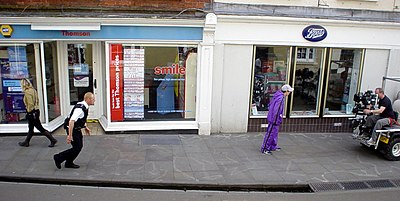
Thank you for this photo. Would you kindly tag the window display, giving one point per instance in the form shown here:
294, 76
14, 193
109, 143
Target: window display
344, 73
152, 82
16, 62
307, 82
270, 72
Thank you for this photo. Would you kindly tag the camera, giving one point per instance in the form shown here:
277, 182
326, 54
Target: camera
363, 100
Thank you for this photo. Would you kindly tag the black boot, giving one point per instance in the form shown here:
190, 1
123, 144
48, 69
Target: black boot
27, 140
53, 140
24, 144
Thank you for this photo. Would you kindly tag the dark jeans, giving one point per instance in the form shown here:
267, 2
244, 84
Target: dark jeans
33, 118
70, 155
34, 121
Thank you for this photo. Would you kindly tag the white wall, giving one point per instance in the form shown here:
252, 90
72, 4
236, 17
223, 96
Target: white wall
386, 5
375, 66
392, 87
379, 63
217, 88
233, 101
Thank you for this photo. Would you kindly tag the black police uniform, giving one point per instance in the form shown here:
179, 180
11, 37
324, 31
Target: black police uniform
70, 155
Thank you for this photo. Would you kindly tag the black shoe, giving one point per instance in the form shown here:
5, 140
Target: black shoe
23, 144
74, 166
53, 143
57, 161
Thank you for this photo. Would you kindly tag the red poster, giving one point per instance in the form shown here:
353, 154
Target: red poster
116, 82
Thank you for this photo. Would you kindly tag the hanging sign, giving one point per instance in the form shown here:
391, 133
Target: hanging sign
314, 33
6, 30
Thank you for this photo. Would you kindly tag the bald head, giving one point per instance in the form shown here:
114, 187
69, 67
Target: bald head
89, 98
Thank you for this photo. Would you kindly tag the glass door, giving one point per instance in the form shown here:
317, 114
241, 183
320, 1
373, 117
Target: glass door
52, 81
81, 74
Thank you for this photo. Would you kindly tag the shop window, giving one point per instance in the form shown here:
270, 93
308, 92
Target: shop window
305, 55
17, 61
270, 73
344, 71
51, 80
152, 82
307, 83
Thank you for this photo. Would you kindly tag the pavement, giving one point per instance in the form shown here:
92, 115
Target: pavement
230, 160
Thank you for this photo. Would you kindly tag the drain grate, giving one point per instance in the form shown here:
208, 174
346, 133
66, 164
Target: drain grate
396, 182
354, 185
380, 184
317, 187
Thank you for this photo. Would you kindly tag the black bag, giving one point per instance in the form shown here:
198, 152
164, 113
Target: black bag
66, 121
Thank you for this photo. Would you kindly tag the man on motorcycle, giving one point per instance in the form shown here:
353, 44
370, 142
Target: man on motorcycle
383, 116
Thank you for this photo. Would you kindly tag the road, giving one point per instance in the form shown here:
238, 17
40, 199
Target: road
44, 192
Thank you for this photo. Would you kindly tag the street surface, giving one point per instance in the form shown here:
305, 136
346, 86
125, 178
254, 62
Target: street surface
41, 192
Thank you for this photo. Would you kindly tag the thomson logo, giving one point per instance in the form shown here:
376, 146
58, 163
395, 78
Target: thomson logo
314, 33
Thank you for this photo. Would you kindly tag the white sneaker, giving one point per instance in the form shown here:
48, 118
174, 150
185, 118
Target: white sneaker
267, 152
371, 142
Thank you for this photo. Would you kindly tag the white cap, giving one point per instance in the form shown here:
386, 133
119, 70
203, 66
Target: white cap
287, 87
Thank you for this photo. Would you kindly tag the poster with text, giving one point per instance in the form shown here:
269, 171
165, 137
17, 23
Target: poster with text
116, 82
133, 82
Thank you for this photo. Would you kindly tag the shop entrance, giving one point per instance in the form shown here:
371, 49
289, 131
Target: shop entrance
81, 71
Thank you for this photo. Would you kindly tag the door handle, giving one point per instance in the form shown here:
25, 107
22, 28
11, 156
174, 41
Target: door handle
95, 83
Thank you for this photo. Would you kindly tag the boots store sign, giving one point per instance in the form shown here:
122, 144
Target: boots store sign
314, 33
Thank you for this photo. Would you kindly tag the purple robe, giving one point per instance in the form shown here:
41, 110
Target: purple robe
275, 111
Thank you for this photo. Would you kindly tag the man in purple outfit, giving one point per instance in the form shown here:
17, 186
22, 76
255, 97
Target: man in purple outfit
275, 115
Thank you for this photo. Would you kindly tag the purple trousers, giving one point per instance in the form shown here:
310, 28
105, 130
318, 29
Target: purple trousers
270, 142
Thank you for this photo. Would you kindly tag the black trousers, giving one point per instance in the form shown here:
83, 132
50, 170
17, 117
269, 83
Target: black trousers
33, 118
70, 155
34, 121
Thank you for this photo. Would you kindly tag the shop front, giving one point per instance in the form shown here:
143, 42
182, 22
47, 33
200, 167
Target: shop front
325, 61
144, 73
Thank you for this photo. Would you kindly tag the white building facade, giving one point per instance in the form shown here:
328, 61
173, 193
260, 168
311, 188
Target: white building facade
260, 47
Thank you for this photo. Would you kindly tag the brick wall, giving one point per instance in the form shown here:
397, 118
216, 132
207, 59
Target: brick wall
143, 5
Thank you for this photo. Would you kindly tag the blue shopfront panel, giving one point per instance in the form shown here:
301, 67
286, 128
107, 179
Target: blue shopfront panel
112, 32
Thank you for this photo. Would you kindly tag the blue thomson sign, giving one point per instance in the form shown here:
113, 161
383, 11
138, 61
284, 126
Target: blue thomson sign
314, 33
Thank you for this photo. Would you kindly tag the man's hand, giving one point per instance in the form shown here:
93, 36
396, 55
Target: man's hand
367, 111
69, 139
87, 130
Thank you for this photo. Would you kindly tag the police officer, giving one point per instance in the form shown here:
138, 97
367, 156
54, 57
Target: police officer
76, 123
